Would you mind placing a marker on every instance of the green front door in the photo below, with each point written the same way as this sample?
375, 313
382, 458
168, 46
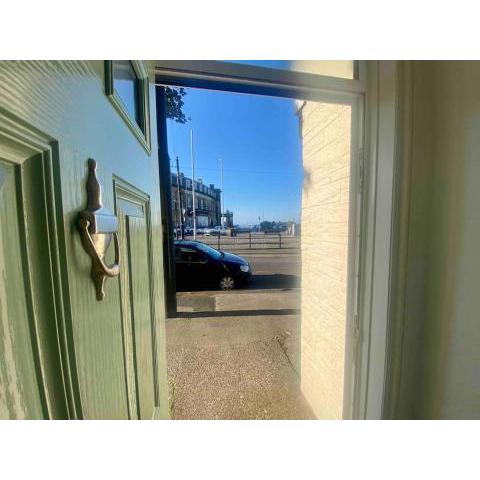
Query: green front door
63, 353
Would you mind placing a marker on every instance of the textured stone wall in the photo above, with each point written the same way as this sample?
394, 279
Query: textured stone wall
325, 130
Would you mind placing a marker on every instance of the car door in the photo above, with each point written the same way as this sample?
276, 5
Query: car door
67, 351
182, 273
200, 268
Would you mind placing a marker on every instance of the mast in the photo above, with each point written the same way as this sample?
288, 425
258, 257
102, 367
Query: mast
179, 195
193, 187
222, 206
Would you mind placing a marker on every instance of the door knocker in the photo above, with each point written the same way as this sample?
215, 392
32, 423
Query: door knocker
97, 226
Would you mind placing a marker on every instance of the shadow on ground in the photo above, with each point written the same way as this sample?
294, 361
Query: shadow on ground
257, 282
277, 280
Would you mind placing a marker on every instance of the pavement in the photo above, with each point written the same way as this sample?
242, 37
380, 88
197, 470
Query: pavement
235, 355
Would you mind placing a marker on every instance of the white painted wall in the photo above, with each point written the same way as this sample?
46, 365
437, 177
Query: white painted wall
441, 348
324, 243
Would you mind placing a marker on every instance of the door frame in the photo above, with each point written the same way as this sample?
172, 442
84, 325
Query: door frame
372, 199
166, 206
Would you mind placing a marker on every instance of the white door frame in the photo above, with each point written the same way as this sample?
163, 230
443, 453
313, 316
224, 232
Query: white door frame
378, 250
373, 97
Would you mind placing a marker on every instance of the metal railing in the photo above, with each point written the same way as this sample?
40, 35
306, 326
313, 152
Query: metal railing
250, 241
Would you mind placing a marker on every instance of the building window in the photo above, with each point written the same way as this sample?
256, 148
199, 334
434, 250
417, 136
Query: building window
126, 85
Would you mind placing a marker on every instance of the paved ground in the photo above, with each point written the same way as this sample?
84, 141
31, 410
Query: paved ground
235, 355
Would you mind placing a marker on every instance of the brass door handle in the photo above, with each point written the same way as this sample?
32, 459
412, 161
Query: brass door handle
97, 226
97, 258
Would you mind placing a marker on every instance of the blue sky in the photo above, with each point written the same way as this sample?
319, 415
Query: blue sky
258, 139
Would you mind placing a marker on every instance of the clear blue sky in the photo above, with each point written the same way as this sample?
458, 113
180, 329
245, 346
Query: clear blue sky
258, 139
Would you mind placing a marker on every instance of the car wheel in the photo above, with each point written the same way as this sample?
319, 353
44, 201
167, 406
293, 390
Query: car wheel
227, 283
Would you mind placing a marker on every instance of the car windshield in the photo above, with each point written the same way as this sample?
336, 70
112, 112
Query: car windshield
213, 252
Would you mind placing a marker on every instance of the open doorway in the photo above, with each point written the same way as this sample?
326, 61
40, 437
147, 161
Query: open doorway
277, 346
238, 265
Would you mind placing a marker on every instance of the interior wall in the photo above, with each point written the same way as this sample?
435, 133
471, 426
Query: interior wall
325, 132
441, 354
417, 243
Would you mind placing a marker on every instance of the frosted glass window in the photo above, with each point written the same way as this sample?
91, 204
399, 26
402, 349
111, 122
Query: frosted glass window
126, 86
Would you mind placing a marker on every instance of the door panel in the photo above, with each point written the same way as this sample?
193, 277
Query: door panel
136, 290
19, 393
31, 378
142, 323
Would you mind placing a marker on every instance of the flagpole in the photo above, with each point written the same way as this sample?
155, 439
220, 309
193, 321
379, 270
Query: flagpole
179, 197
193, 186
222, 206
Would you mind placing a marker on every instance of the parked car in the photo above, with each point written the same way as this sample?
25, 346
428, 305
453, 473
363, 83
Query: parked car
208, 231
188, 230
218, 230
198, 264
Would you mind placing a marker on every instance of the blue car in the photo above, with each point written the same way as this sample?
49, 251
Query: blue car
201, 265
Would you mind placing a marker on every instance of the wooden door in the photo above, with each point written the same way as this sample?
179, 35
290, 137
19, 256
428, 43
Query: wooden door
63, 353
